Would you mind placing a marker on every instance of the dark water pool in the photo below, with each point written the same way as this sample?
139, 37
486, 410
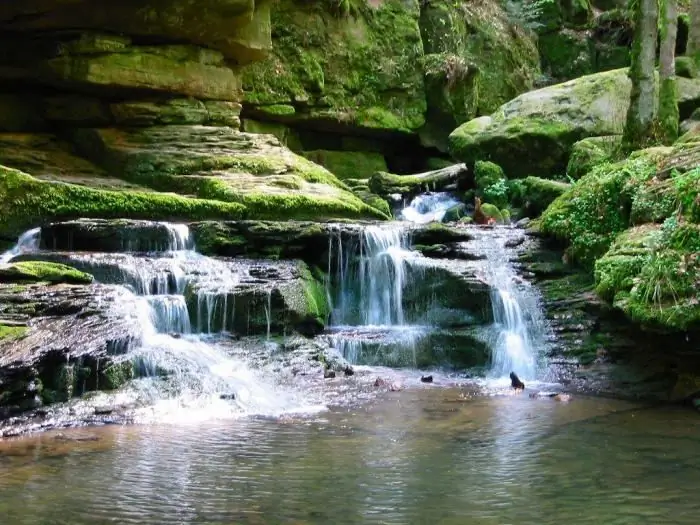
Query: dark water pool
429, 456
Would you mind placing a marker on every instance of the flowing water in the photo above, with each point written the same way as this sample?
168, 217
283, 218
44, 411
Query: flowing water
414, 457
430, 207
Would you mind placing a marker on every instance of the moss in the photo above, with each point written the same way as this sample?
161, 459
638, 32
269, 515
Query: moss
11, 333
655, 199
587, 153
686, 67
26, 202
492, 212
491, 183
594, 210
566, 54
668, 115
306, 302
348, 164
278, 110
361, 71
116, 375
536, 194
40, 271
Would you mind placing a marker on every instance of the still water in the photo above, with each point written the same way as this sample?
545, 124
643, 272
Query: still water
425, 455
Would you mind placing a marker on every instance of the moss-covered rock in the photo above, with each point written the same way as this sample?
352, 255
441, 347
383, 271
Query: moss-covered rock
652, 274
222, 164
40, 271
534, 132
362, 72
536, 194
490, 181
587, 153
26, 202
348, 164
475, 59
566, 54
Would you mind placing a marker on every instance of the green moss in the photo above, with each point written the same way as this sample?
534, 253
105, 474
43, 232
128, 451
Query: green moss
566, 54
668, 116
362, 71
116, 375
40, 271
11, 333
492, 212
587, 153
491, 183
595, 209
535, 194
686, 67
26, 202
278, 110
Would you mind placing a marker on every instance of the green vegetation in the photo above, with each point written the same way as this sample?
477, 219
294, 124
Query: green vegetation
40, 271
26, 202
11, 333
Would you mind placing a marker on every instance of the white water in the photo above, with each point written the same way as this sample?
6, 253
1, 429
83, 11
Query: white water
430, 207
184, 375
28, 242
518, 331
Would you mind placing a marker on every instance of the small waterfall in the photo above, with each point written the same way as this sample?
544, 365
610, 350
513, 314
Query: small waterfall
179, 369
429, 207
28, 242
518, 332
371, 277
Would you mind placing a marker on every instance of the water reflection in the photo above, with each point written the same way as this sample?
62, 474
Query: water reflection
419, 456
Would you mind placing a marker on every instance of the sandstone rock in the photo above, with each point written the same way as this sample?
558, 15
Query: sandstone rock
534, 133
240, 29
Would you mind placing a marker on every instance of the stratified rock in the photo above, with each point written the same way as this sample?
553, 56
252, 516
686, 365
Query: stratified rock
72, 343
533, 133
240, 29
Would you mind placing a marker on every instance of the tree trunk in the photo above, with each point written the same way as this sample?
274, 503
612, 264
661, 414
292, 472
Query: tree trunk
386, 184
693, 49
668, 94
641, 112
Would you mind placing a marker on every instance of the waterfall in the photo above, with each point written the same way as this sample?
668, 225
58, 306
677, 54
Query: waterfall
183, 368
28, 242
371, 272
429, 207
518, 331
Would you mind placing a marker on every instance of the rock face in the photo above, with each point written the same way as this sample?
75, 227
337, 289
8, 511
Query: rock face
596, 349
533, 133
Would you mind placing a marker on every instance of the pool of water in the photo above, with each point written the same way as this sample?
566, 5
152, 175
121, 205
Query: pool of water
423, 455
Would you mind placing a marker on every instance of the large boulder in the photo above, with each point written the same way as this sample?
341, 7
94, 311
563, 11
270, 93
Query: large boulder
533, 133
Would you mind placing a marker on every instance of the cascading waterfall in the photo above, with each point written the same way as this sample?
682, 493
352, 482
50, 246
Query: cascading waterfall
371, 273
429, 207
28, 242
182, 364
518, 332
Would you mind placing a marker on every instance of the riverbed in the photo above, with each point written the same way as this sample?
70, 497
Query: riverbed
421, 455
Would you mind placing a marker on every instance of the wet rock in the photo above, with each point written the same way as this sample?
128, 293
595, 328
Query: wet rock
515, 382
103, 411
426, 379
349, 371
228, 397
328, 374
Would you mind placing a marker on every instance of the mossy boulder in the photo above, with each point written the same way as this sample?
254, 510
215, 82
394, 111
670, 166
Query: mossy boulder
475, 59
40, 271
534, 132
360, 72
652, 274
536, 194
566, 54
587, 153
